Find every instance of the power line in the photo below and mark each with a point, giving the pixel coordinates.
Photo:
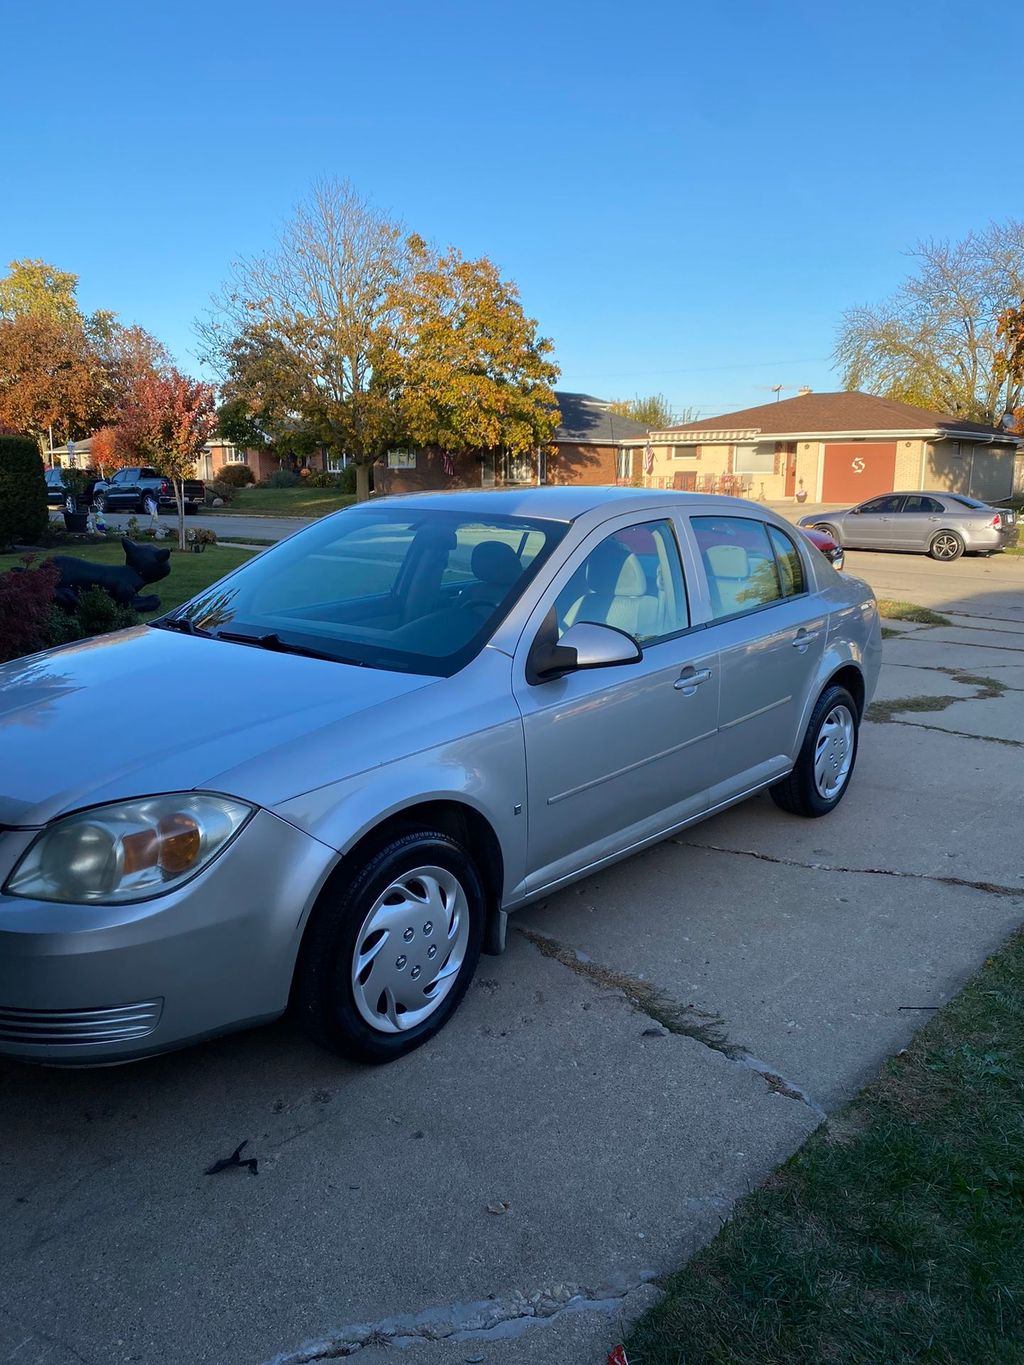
(712, 369)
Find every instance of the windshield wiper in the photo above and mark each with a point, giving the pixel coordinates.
(182, 623)
(273, 641)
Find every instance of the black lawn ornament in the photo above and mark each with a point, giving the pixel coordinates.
(143, 564)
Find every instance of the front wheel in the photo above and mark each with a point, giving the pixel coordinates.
(827, 529)
(100, 502)
(389, 952)
(946, 546)
(823, 769)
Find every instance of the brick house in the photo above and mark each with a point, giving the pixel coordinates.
(587, 448)
(262, 461)
(832, 448)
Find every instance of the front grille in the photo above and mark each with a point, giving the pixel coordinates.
(114, 1025)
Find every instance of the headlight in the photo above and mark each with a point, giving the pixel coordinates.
(128, 851)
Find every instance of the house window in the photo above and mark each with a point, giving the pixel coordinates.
(336, 463)
(684, 452)
(754, 459)
(401, 459)
(232, 455)
(518, 468)
(624, 465)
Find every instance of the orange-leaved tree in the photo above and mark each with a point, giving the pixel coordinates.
(50, 376)
(170, 417)
(474, 374)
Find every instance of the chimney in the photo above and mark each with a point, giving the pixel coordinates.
(802, 393)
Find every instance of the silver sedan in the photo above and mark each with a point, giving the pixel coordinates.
(943, 525)
(342, 767)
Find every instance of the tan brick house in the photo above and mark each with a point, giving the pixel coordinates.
(829, 447)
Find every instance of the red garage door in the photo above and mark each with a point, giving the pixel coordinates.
(855, 470)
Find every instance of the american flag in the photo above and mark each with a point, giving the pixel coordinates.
(648, 458)
(447, 463)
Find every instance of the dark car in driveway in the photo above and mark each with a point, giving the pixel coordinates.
(142, 489)
(943, 525)
(59, 495)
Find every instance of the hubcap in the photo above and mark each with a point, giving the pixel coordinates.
(946, 547)
(833, 753)
(409, 949)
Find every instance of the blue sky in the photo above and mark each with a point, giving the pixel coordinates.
(687, 195)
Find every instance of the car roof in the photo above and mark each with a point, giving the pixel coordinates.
(557, 504)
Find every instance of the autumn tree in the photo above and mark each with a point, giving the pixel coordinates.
(36, 289)
(169, 418)
(111, 448)
(50, 376)
(936, 342)
(306, 334)
(653, 412)
(473, 373)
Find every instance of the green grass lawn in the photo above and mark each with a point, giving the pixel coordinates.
(896, 1234)
(190, 573)
(285, 502)
(909, 611)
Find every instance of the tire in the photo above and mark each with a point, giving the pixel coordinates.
(416, 879)
(946, 546)
(805, 793)
(829, 530)
(100, 502)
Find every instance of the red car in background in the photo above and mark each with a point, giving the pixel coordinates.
(832, 551)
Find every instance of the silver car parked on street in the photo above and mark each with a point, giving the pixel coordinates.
(341, 767)
(943, 525)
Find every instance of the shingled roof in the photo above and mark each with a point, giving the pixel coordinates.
(587, 419)
(834, 412)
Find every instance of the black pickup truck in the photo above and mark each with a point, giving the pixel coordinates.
(144, 490)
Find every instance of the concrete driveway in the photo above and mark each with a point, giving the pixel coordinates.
(654, 1042)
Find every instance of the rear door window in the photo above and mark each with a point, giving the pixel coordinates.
(739, 563)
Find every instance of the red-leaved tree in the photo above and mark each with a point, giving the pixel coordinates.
(110, 448)
(170, 417)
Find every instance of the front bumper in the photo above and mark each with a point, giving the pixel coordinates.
(96, 984)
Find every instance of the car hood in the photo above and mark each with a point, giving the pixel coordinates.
(149, 710)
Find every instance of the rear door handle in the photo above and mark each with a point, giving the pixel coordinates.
(690, 678)
(805, 638)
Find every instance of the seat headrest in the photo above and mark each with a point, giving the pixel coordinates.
(611, 569)
(495, 561)
(727, 561)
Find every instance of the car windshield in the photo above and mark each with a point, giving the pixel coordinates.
(406, 589)
(967, 502)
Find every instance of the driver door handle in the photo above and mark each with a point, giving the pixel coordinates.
(690, 678)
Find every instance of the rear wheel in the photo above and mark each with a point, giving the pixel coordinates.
(823, 769)
(390, 952)
(946, 546)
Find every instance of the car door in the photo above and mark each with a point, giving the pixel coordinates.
(117, 491)
(916, 522)
(616, 755)
(768, 629)
(870, 526)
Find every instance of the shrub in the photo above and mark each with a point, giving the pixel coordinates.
(320, 478)
(281, 478)
(235, 475)
(97, 614)
(347, 479)
(216, 489)
(26, 602)
(23, 509)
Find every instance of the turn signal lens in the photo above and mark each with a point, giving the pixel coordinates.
(128, 851)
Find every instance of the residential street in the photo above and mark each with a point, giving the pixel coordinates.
(555, 1140)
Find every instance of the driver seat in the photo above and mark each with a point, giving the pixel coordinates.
(616, 594)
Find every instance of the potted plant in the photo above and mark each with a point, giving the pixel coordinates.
(801, 492)
(74, 482)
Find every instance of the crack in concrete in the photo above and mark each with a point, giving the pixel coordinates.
(961, 734)
(990, 888)
(478, 1320)
(684, 1020)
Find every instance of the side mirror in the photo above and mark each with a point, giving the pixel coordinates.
(584, 645)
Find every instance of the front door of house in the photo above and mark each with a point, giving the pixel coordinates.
(790, 458)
